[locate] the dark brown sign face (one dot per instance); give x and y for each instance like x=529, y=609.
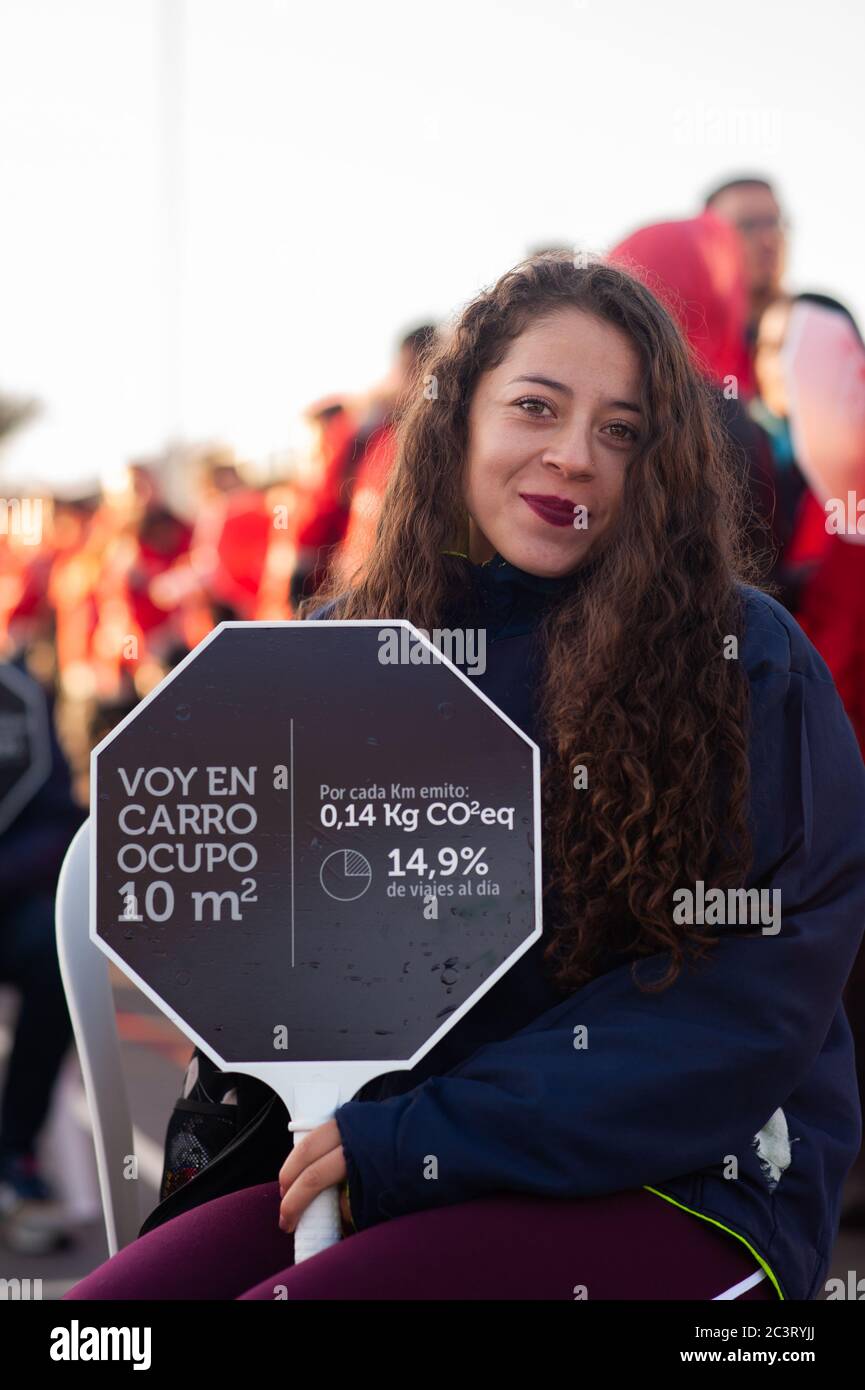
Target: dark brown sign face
x=314, y=843
x=25, y=750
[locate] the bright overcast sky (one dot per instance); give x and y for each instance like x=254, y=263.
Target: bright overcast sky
x=215, y=211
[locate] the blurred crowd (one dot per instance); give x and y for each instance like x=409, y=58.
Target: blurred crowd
x=117, y=585
x=121, y=584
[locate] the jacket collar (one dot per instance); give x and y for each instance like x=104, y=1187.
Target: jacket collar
x=500, y=571
x=513, y=599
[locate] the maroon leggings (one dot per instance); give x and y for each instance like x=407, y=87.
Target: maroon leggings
x=630, y=1245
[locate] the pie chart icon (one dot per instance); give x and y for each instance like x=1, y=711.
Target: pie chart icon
x=345, y=875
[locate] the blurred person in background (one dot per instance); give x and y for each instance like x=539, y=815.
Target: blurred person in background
x=352, y=461
x=24, y=554
x=32, y=847
x=78, y=537
x=26, y=617
x=750, y=204
x=696, y=267
x=135, y=638
x=375, y=447
x=72, y=581
x=240, y=538
x=324, y=483
x=218, y=577
x=821, y=575
x=273, y=599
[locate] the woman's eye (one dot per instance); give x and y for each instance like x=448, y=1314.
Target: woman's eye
x=630, y=435
x=532, y=400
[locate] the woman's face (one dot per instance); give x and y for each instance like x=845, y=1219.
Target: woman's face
x=550, y=434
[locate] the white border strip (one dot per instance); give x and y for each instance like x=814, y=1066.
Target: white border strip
x=742, y=1287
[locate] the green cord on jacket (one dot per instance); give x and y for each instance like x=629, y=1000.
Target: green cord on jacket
x=348, y=1202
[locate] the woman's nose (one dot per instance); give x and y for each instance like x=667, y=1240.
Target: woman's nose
x=571, y=456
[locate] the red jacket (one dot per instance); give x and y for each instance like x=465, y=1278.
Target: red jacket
x=831, y=606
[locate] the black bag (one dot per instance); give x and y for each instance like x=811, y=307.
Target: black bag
x=227, y=1131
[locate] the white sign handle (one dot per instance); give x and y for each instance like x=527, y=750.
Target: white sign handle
x=320, y=1225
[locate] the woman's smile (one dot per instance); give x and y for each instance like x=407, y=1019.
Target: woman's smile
x=556, y=510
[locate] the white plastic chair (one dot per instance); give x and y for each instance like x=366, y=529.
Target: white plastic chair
x=91, y=1008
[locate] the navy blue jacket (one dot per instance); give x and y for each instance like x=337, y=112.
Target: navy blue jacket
x=748, y=1056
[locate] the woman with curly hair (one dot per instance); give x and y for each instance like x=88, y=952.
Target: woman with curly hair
x=659, y=1099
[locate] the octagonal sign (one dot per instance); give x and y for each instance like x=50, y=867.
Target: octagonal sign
x=310, y=850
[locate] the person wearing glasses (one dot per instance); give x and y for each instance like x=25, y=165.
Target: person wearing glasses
x=751, y=205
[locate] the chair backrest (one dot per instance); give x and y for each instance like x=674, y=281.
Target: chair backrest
x=91, y=1008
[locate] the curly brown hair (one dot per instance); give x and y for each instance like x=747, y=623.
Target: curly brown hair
x=636, y=683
